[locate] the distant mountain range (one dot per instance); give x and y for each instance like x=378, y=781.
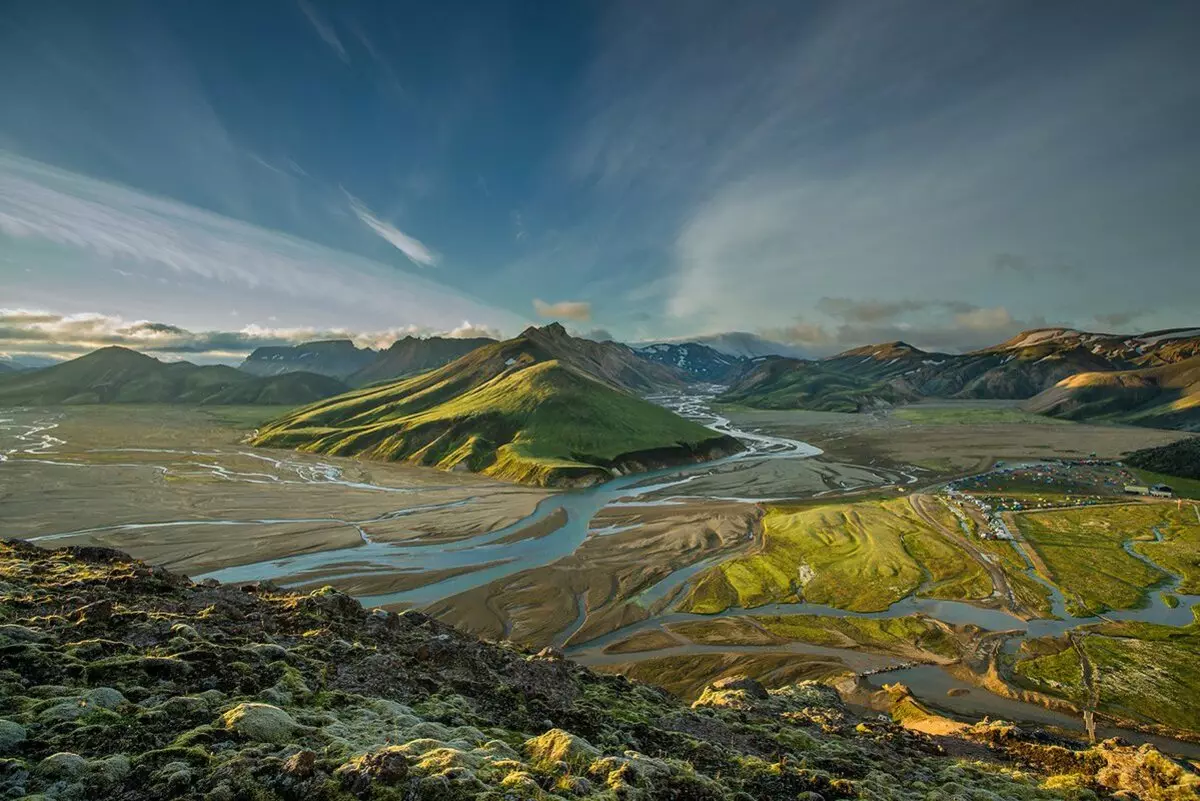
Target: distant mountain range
x=17, y=363
x=697, y=362
x=543, y=408
x=343, y=360
x=414, y=355
x=336, y=358
x=738, y=344
x=1148, y=379
x=120, y=375
x=1145, y=379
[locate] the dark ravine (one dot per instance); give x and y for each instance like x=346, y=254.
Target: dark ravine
x=122, y=681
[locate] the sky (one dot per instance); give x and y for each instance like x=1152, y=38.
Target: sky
x=200, y=178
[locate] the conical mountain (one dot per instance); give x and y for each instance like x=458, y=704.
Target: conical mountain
x=543, y=408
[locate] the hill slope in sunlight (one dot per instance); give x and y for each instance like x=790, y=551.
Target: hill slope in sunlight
x=1166, y=396
x=543, y=408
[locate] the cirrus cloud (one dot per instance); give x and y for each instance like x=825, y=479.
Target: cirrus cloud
x=413, y=248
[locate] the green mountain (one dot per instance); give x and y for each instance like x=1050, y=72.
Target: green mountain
x=122, y=681
x=543, y=408
x=120, y=375
x=781, y=383
x=895, y=372
x=1165, y=396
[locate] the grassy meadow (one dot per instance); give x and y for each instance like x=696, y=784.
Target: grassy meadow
x=1143, y=672
x=862, y=557
x=1084, y=551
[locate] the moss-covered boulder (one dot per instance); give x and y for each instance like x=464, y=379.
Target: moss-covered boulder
x=557, y=746
x=261, y=722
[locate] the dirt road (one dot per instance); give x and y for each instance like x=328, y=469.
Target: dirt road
x=999, y=581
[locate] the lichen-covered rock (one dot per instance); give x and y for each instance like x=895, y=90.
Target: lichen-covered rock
x=261, y=722
x=749, y=686
x=116, y=698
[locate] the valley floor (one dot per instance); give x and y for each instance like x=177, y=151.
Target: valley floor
x=677, y=576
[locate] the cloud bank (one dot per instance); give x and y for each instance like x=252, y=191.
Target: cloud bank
x=24, y=331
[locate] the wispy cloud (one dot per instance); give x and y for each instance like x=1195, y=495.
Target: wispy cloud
x=801, y=154
x=577, y=310
x=324, y=29
x=413, y=248
x=45, y=332
x=96, y=224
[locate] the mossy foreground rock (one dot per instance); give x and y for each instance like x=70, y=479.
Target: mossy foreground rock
x=121, y=681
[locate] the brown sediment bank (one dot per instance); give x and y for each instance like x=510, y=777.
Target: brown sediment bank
x=594, y=590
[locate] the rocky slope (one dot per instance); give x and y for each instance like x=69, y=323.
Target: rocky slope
x=336, y=358
x=121, y=681
x=120, y=375
x=413, y=355
x=698, y=362
x=543, y=408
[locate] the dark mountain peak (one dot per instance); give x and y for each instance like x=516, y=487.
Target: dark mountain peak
x=551, y=331
x=331, y=345
x=114, y=354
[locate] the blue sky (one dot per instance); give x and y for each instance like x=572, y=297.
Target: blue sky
x=824, y=174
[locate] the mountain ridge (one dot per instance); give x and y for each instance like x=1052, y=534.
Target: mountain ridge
x=119, y=375
x=1020, y=368
x=542, y=408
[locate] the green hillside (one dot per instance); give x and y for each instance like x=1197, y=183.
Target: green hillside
x=120, y=375
x=1166, y=396
x=795, y=384
x=518, y=410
